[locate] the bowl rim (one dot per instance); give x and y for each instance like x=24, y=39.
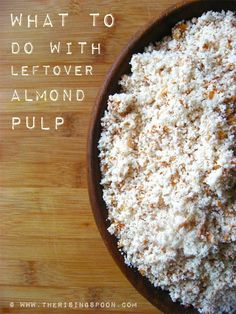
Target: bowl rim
x=140, y=283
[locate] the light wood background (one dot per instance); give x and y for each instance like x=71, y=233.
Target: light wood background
x=50, y=249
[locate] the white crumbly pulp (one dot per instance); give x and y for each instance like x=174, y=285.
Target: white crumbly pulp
x=167, y=152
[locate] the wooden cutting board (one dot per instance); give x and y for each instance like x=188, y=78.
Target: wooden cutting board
x=50, y=249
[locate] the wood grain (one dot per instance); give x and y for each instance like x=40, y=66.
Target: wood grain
x=50, y=249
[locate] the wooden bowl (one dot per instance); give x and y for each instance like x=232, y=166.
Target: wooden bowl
x=155, y=31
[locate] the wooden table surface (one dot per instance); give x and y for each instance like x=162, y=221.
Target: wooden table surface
x=50, y=248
